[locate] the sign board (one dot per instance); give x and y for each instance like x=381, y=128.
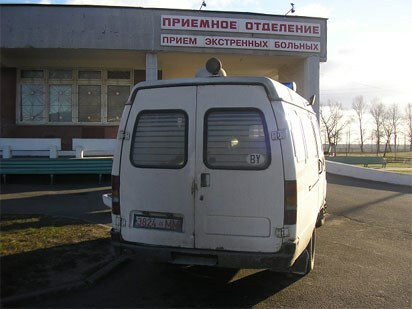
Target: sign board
x=193, y=23
x=308, y=30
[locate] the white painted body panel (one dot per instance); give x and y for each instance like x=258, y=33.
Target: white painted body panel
x=239, y=210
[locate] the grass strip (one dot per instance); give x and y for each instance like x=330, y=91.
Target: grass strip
x=38, y=251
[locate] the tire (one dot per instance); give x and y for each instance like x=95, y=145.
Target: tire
x=312, y=252
x=321, y=217
x=306, y=261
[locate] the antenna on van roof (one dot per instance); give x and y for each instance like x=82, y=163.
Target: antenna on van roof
x=312, y=100
x=292, y=9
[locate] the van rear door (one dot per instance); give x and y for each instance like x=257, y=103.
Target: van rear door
x=239, y=169
x=157, y=168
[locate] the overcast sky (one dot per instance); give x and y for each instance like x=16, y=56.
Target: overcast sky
x=369, y=41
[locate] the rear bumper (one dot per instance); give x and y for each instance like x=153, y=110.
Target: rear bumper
x=278, y=261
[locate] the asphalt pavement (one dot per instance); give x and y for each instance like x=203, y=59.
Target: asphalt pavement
x=363, y=257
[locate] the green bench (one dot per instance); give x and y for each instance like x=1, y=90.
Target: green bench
x=365, y=161
x=63, y=166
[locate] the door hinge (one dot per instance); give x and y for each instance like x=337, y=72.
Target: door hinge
x=123, y=135
x=282, y=232
x=278, y=135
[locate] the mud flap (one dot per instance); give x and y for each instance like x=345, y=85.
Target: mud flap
x=300, y=267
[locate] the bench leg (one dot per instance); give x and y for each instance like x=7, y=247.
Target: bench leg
x=51, y=179
x=4, y=178
x=100, y=179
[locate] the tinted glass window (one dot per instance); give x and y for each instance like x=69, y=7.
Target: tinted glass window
x=311, y=143
x=160, y=139
x=297, y=137
x=236, y=139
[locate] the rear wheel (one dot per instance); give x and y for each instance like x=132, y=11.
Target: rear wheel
x=321, y=217
x=306, y=261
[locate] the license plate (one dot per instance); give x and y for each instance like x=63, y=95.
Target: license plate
x=158, y=223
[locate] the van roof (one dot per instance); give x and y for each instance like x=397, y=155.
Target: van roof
x=275, y=90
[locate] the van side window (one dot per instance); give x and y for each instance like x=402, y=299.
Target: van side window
x=315, y=127
x=160, y=139
x=312, y=146
x=236, y=139
x=297, y=137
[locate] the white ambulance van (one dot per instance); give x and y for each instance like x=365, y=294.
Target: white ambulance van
x=219, y=171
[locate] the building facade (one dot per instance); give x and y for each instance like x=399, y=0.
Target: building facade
x=66, y=71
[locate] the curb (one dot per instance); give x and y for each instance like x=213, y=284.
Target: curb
x=368, y=174
x=75, y=285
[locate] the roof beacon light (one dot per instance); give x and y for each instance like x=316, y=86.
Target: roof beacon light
x=213, y=68
x=290, y=85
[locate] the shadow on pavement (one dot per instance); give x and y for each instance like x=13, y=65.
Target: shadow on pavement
x=81, y=199
x=147, y=285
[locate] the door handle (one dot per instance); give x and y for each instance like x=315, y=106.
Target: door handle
x=205, y=180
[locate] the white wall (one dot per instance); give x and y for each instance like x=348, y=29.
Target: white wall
x=368, y=173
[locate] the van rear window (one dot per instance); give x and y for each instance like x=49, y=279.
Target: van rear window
x=160, y=139
x=236, y=139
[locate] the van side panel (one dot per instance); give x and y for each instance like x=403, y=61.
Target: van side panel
x=306, y=156
x=118, y=148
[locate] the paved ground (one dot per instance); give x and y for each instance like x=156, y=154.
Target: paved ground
x=78, y=197
x=364, y=257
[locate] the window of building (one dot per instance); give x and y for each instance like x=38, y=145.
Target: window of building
x=90, y=74
x=125, y=75
x=32, y=102
x=39, y=74
x=116, y=97
x=89, y=103
x=60, y=98
x=61, y=74
x=72, y=96
x=236, y=139
x=160, y=139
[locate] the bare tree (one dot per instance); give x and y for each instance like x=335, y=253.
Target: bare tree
x=360, y=107
x=377, y=111
x=387, y=130
x=332, y=120
x=408, y=118
x=396, y=120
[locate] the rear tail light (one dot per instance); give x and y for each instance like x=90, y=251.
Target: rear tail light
x=116, y=195
x=290, y=207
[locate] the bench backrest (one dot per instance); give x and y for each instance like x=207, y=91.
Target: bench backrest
x=93, y=146
x=30, y=147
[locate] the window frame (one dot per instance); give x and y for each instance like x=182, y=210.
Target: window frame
x=74, y=82
x=239, y=168
x=19, y=108
x=49, y=105
x=186, y=139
